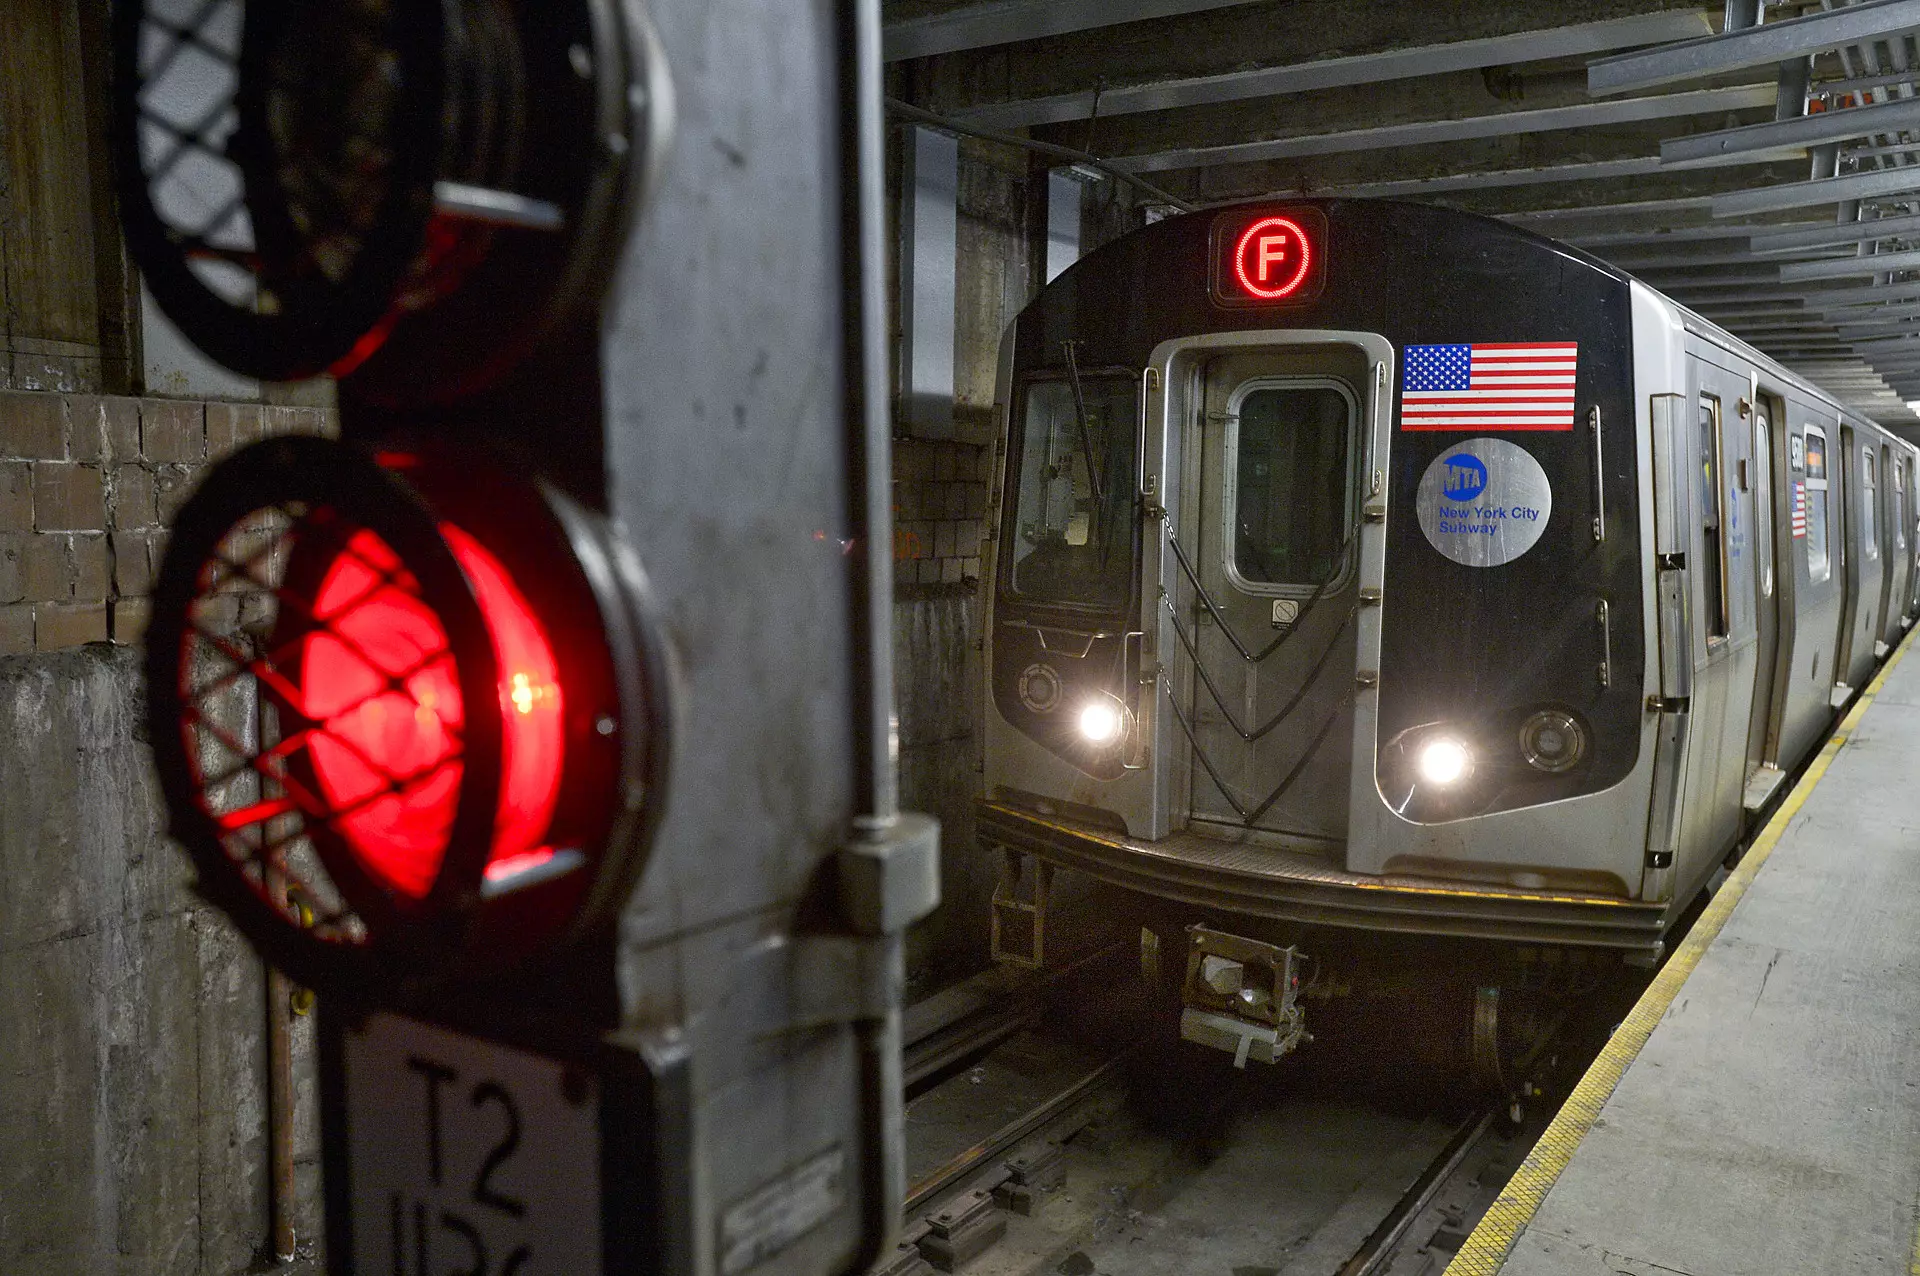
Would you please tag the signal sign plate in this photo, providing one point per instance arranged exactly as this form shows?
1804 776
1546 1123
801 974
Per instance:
468 1156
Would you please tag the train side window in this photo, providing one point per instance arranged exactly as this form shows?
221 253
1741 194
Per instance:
1290 456
1899 511
1819 561
1869 529
1713 566
1073 527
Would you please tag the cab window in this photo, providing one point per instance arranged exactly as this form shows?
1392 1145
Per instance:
1869 502
1072 533
1290 453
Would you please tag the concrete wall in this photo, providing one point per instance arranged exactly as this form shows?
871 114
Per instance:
133 1111
133 1085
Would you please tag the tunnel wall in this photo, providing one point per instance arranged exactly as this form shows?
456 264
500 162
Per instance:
133 1080
133 1075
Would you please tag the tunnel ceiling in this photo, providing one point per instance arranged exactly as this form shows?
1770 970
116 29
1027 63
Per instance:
1762 171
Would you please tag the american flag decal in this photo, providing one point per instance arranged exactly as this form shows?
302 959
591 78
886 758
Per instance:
1502 385
1799 509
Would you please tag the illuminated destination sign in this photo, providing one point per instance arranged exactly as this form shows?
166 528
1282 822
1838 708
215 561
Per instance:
1269 256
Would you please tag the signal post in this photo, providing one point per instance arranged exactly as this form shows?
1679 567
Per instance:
542 723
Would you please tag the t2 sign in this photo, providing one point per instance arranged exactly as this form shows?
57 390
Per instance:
466 1157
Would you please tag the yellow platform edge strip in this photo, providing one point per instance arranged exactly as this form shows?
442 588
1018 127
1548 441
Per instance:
1487 1249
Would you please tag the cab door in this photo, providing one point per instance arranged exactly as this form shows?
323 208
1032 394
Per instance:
1270 629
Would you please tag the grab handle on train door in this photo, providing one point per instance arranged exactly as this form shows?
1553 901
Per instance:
1603 615
1599 477
1138 684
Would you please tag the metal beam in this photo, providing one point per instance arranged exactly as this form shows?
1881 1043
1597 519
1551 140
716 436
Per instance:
1711 254
1592 170
1864 332
1876 183
1765 45
1824 235
1845 315
1634 210
1576 40
1805 130
1870 299
1849 267
1654 236
1745 297
1731 313
1812 325
1861 83
1439 132
980 26
1663 279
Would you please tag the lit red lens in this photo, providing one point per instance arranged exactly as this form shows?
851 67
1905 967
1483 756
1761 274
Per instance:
379 680
1271 258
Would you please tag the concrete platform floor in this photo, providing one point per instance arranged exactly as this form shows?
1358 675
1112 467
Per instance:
1767 1127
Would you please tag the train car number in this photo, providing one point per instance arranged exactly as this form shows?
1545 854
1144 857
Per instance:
468 1158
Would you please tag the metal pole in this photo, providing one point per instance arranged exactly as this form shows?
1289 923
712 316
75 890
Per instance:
870 433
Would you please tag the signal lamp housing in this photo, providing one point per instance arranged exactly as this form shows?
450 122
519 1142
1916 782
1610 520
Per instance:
410 712
425 191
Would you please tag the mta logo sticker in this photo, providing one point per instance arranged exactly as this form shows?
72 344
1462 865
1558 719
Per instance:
1484 502
1465 478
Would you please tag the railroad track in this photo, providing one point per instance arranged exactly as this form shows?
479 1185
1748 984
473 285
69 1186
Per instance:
957 1025
999 1181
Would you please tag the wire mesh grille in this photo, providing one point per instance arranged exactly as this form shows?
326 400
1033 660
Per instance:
322 717
326 122
189 63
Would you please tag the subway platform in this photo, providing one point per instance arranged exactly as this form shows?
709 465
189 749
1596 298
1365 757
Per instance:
1757 1112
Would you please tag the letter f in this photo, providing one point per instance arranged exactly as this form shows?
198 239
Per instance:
1272 250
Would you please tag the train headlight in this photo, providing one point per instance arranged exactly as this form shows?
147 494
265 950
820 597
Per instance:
1553 741
1443 761
1101 723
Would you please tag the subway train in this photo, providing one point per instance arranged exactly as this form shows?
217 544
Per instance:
1362 569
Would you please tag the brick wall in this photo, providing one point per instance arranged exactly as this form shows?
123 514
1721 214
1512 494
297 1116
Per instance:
87 484
939 502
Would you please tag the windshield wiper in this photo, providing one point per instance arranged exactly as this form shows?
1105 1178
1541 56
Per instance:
1086 432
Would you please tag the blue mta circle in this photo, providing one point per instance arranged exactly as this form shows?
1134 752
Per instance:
1465 478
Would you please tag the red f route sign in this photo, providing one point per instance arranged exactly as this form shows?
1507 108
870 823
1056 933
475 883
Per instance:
1267 257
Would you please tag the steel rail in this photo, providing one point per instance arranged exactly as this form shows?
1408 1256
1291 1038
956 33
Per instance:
1007 1136
1374 1251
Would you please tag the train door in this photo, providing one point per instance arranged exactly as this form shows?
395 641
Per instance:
1860 559
1273 618
1911 528
1886 615
1721 565
1772 611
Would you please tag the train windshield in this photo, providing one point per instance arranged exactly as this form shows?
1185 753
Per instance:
1291 492
1073 529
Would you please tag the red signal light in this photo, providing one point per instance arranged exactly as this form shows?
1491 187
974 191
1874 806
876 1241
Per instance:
378 679
355 674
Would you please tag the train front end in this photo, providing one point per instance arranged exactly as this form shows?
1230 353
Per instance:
1317 590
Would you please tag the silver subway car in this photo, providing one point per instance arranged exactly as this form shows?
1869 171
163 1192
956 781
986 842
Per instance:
1366 567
